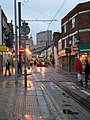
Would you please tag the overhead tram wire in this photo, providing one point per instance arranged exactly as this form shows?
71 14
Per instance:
36 10
44 14
30 13
61 6
40 20
63 3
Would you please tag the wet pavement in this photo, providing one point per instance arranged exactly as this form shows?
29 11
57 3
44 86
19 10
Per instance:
20 103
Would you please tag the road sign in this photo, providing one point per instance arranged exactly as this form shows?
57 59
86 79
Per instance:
21 50
3 48
24 29
75 48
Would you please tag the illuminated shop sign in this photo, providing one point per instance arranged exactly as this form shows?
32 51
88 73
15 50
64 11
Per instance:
84 48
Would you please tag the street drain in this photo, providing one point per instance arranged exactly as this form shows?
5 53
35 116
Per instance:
67 111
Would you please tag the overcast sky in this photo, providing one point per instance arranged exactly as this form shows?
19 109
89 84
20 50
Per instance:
40 10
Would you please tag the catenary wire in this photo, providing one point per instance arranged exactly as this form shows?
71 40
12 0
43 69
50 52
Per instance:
61 6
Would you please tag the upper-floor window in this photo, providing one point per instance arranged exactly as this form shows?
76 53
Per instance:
59 44
73 22
73 40
65 43
65 28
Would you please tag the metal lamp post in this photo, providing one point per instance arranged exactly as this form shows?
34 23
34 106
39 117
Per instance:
16 44
24 29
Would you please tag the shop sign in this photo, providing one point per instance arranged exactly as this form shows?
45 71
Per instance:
3 48
84 48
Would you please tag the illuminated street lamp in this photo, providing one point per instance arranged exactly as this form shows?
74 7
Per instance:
28 51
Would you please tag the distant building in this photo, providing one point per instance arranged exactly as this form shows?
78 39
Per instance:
76 36
29 42
44 38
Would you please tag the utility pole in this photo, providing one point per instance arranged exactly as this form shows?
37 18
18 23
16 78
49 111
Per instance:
19 22
24 30
25 70
46 49
16 45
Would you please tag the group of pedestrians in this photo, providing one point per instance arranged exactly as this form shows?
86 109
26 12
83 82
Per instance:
79 70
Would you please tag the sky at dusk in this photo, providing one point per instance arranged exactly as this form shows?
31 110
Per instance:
40 10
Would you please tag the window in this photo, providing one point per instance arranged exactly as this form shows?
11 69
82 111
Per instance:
59 44
65 43
73 22
73 40
65 28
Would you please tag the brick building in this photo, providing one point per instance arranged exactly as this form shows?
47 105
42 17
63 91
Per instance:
75 28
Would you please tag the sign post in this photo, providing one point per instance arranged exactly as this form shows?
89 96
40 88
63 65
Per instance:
25 30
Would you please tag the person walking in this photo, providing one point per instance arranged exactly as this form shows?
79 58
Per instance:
7 67
28 64
87 71
79 70
19 67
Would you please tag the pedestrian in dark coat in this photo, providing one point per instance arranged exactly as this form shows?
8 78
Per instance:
86 70
19 67
7 67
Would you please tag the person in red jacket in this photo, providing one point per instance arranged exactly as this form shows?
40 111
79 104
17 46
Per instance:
79 70
79 67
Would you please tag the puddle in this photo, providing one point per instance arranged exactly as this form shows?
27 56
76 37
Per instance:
67 111
67 105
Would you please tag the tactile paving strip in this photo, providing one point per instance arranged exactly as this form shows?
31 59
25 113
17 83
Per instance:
14 105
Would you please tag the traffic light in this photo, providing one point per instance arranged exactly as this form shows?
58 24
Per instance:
67 50
9 40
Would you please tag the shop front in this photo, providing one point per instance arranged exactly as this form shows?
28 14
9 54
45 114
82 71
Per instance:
84 52
67 61
62 60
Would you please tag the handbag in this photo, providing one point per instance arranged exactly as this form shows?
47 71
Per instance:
79 76
80 82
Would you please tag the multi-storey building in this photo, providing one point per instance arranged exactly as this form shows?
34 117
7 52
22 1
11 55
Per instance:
44 38
76 36
5 28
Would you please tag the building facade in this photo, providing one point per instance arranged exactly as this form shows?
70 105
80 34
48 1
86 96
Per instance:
44 38
5 28
75 28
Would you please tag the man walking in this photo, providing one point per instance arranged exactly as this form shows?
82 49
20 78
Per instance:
86 70
7 65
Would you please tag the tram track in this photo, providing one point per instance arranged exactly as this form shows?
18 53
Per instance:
84 102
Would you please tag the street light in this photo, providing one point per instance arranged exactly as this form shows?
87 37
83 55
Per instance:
24 29
16 44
